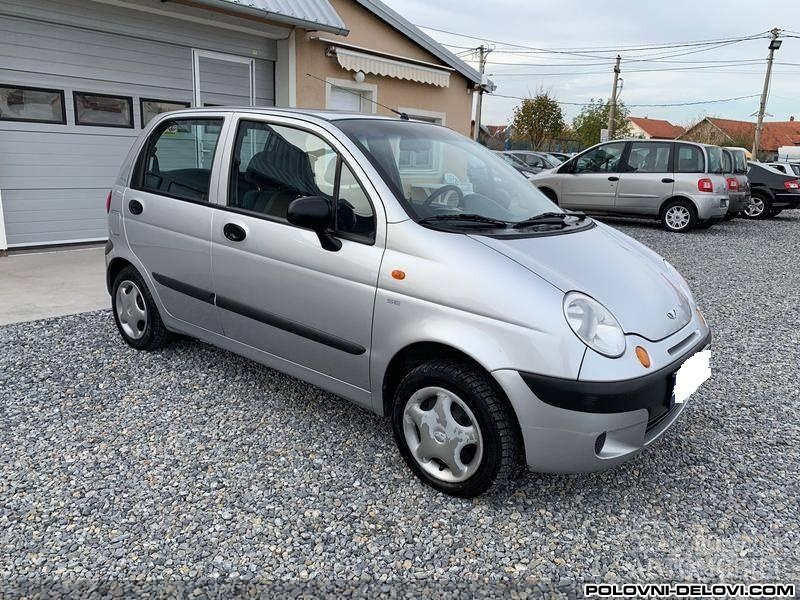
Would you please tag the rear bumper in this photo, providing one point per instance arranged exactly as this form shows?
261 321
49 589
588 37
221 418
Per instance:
710 206
571 426
737 202
784 201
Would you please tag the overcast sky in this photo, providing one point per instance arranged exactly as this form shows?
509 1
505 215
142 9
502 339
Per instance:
571 24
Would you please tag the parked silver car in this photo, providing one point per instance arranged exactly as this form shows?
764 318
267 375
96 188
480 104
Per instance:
538 161
680 183
735 166
489 325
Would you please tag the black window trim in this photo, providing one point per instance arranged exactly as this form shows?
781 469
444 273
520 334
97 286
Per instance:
623 158
142 124
702 152
137 176
63 120
339 159
76 93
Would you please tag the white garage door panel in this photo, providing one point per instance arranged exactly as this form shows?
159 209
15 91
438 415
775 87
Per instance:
54 178
56 216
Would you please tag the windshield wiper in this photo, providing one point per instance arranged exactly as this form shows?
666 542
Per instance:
549 218
466 218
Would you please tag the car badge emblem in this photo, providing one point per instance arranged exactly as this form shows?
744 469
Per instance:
672 314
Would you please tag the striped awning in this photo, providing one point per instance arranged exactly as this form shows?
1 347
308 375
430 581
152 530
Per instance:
352 60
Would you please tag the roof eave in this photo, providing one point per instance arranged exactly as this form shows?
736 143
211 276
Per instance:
276 17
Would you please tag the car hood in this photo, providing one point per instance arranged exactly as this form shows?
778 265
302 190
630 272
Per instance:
627 278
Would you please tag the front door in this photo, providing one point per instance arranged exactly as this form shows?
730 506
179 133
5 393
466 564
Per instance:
277 288
593 183
168 215
646 179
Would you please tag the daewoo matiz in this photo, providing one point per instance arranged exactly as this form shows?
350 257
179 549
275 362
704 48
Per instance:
410 270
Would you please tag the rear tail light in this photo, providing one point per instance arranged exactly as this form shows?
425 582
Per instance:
733 184
108 202
792 184
705 185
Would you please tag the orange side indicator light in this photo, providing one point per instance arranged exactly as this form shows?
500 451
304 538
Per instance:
643 357
398 274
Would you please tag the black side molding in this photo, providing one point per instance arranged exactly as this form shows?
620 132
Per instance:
109 246
185 288
290 326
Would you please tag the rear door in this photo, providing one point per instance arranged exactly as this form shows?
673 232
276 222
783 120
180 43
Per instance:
593 183
278 290
168 215
646 179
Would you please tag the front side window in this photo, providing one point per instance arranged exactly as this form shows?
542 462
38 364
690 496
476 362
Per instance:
31 104
177 159
100 110
648 157
689 159
274 165
470 187
603 159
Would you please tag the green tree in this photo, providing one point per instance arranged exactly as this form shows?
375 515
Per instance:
593 117
538 119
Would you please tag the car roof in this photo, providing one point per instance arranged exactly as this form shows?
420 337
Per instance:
325 115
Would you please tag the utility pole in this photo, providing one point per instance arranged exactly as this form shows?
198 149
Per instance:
612 111
481 67
774 44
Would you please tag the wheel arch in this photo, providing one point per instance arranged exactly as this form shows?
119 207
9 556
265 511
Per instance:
417 353
115 266
674 197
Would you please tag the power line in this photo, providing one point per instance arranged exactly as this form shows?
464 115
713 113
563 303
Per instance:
694 103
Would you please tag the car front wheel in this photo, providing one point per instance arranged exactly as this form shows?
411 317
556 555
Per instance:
454 429
759 207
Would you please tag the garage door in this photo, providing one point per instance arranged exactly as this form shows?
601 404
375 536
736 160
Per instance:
73 99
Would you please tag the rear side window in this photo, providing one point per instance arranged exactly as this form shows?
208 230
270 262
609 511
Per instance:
739 162
649 157
727 162
689 159
177 159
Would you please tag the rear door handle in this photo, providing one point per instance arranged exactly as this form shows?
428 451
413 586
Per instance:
234 232
135 207
613 178
668 180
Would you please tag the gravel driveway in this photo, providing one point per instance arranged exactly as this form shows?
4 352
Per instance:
192 472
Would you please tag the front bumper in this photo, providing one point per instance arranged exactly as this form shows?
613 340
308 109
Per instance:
574 426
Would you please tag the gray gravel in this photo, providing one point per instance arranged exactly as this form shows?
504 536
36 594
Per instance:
194 473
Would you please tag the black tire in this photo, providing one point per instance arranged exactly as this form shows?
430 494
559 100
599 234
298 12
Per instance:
153 334
690 222
759 208
501 445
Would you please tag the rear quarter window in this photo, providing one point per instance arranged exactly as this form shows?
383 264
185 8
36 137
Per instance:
689 159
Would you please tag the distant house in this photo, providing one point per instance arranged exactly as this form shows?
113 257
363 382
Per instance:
655 129
775 134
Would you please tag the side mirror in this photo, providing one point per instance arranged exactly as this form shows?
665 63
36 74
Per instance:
314 213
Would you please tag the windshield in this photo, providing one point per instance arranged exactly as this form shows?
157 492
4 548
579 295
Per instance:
435 172
715 161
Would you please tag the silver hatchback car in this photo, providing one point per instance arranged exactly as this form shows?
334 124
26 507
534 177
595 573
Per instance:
680 183
412 271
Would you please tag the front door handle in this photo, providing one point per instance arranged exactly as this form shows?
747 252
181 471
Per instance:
234 232
668 180
613 178
135 207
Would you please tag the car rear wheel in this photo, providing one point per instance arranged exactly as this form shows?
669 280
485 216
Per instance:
135 312
454 429
678 216
759 207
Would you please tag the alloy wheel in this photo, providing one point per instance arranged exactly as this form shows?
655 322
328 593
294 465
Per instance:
755 208
131 309
677 217
442 434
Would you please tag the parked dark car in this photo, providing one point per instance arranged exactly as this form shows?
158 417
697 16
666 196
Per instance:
772 192
520 166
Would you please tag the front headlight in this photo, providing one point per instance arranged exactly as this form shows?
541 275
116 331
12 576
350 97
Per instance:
594 324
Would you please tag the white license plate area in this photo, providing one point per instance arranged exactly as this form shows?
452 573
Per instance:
692 374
